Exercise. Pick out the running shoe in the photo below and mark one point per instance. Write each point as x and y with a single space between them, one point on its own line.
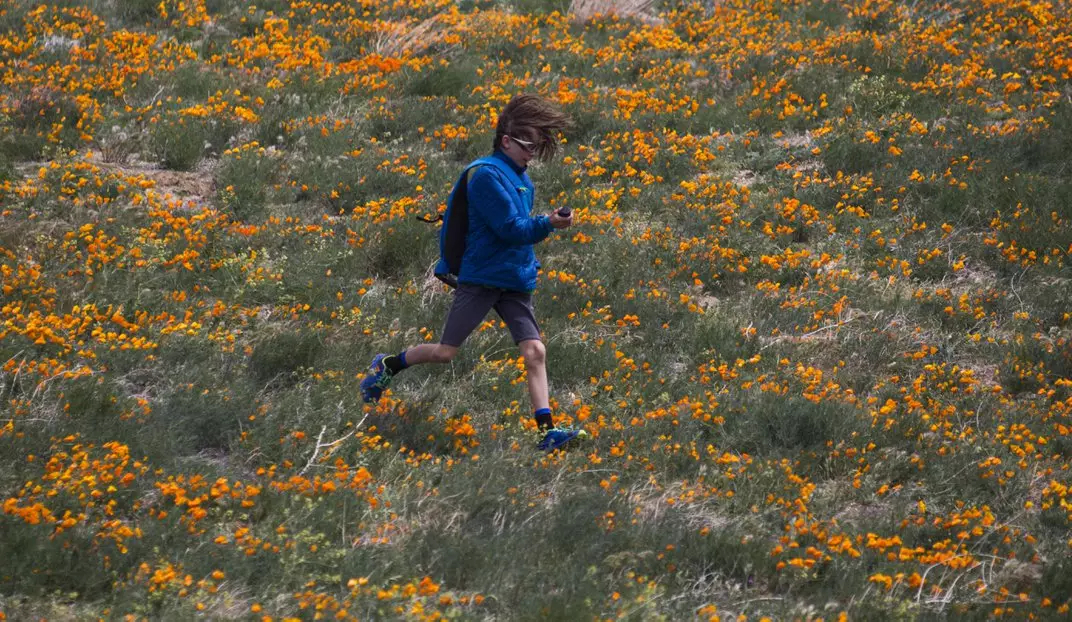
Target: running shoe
377 380
558 436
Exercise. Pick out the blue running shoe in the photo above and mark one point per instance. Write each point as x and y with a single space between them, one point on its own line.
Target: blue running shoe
558 436
378 379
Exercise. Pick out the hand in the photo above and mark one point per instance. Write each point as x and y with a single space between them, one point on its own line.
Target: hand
560 222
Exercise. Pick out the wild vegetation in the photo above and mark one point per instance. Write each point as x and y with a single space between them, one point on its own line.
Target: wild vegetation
815 314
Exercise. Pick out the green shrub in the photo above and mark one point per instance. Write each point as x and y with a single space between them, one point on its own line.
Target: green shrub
445 79
197 417
590 124
138 12
401 118
536 7
271 130
876 96
244 179
1036 362
281 354
849 153
341 182
35 117
39 566
716 334
7 168
390 253
770 425
1047 150
13 16
195 81
95 406
179 144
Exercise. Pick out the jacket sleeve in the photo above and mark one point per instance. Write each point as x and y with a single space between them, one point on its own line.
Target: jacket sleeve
493 204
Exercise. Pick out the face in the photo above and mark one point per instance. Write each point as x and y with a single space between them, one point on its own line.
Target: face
520 146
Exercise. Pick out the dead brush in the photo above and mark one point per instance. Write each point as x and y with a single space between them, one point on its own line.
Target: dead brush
583 11
116 145
398 39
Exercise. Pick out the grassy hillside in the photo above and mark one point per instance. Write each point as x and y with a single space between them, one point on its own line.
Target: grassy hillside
815 313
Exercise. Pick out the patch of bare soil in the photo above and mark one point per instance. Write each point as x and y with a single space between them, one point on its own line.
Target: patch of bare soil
745 178
194 188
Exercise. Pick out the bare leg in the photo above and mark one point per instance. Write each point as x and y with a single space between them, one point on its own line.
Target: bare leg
535 355
430 353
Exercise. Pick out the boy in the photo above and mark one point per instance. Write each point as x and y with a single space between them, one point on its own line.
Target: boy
498 269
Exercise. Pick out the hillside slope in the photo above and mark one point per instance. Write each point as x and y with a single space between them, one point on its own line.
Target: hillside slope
815 314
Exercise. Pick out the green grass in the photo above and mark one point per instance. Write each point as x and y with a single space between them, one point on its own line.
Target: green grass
808 362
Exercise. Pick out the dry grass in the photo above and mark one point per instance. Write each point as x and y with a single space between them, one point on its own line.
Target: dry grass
641 10
400 40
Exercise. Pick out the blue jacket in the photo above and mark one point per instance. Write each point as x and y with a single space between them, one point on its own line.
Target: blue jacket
499 243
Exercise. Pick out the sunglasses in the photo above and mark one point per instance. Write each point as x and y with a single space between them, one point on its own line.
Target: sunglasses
526 145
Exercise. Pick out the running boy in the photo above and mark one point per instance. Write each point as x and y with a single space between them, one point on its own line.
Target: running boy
498 268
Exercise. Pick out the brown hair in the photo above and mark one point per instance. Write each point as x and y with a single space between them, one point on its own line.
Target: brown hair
535 113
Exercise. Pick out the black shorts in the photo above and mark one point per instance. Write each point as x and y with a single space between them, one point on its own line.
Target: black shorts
471 305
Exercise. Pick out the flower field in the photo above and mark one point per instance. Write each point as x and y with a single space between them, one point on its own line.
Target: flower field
815 312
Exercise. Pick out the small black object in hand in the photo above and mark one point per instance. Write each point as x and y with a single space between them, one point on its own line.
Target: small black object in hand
564 212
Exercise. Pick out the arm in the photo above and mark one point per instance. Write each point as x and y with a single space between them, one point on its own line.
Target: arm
493 204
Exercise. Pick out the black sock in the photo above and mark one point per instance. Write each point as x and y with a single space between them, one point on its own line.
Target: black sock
543 419
396 363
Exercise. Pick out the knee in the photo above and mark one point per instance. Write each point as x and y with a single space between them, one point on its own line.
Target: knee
534 353
444 354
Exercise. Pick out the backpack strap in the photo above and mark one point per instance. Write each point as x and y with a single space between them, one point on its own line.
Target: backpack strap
455 228
461 187
456 219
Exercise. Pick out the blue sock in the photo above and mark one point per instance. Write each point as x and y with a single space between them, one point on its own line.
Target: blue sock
543 419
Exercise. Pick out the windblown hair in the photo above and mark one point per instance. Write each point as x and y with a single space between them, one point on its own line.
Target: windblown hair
536 113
